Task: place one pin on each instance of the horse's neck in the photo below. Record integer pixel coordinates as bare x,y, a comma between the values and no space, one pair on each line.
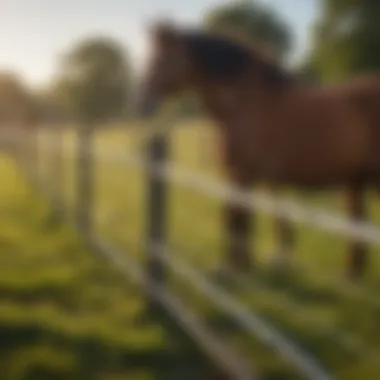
252,101
216,102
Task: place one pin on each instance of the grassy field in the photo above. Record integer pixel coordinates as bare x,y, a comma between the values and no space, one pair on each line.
64,315
335,321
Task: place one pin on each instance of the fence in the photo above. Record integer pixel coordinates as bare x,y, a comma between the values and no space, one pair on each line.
152,278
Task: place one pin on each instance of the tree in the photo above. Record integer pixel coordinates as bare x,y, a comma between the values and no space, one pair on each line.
95,83
17,103
95,80
347,39
253,21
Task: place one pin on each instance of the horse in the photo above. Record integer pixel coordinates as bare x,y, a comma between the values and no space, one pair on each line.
275,129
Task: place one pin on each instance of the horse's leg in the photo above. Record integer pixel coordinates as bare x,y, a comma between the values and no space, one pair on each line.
238,222
358,251
285,242
284,231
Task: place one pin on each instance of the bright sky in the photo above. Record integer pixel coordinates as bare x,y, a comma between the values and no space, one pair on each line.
34,32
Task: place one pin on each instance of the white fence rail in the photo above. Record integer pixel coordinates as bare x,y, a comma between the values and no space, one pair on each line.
253,324
295,212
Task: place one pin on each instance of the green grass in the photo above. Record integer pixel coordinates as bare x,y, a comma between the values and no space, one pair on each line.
66,315
335,321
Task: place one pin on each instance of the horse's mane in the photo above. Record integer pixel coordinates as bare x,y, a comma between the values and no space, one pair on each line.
225,56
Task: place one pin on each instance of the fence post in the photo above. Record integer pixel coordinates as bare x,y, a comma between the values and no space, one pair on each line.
30,148
157,153
24,146
84,177
36,151
57,163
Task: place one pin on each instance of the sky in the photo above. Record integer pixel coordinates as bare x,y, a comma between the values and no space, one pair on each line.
33,33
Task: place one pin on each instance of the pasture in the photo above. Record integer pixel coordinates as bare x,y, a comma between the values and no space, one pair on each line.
334,320
63,313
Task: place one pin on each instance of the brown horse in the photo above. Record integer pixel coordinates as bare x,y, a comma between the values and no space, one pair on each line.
274,128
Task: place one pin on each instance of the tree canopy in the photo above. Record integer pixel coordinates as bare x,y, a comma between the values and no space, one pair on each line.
95,79
346,39
17,103
254,21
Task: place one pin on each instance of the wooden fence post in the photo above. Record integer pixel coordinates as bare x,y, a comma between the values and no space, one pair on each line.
57,163
23,145
84,177
157,152
31,149
36,151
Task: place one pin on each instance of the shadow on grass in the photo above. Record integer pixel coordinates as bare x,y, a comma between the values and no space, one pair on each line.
93,358
194,364
338,331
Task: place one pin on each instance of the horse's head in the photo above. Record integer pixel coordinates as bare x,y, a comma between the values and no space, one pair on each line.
182,58
167,68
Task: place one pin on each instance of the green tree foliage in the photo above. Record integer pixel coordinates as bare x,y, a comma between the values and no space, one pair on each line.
95,80
347,39
255,21
17,103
